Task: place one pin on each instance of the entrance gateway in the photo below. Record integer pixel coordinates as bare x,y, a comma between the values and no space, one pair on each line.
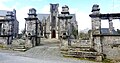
104,39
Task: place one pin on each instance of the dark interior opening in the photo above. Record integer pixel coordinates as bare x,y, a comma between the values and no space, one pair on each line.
53,34
29,34
64,33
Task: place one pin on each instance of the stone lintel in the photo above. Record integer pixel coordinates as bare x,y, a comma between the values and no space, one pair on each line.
65,17
94,15
27,19
95,10
106,16
10,15
64,12
32,14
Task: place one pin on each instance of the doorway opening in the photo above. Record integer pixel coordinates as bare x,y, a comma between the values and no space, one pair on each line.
53,34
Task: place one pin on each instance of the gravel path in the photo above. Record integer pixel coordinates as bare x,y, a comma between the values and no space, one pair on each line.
47,53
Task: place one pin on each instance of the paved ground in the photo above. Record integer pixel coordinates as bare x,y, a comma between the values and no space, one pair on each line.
48,52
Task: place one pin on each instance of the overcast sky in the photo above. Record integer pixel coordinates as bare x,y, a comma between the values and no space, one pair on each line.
82,9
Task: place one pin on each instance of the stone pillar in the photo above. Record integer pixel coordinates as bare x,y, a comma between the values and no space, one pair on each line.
58,29
110,25
97,44
8,27
33,27
96,21
66,24
69,32
96,28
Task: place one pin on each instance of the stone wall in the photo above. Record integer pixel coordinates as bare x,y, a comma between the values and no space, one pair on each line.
111,46
97,44
3,40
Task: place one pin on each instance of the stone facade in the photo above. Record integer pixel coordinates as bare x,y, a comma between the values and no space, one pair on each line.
9,26
104,40
54,20
111,46
50,23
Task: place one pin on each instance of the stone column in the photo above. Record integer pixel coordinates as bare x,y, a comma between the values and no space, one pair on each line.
96,21
98,45
110,25
96,28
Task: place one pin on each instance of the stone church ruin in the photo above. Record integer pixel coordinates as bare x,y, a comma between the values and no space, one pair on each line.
63,27
53,25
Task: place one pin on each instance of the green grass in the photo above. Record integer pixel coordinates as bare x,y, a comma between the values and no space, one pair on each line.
2,46
107,61
89,59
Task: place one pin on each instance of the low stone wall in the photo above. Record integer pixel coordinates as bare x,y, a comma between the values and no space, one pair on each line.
3,40
111,47
85,43
77,43
18,42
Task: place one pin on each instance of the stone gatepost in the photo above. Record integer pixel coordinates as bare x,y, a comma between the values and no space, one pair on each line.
32,27
96,30
65,24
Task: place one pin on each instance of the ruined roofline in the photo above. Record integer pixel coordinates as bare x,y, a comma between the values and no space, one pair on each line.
4,12
41,15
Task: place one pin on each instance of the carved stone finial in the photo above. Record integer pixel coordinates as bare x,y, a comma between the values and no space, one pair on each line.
65,8
32,11
95,8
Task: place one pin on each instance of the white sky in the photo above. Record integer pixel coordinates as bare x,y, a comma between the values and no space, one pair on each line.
82,9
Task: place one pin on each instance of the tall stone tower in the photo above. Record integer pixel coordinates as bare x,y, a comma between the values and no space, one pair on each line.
54,19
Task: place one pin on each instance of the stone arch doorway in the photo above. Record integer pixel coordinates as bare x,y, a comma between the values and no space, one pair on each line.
53,34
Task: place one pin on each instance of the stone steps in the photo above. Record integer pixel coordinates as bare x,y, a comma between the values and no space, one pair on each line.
79,49
19,48
81,52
